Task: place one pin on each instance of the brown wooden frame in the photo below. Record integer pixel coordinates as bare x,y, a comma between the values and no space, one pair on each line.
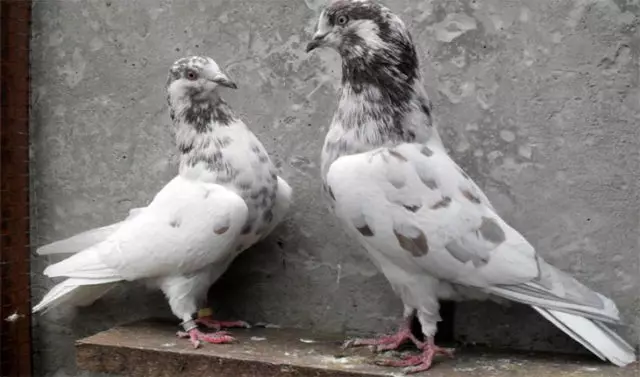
15,318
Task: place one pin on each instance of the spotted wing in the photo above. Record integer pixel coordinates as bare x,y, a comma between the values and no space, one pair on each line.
414,205
415,208
187,226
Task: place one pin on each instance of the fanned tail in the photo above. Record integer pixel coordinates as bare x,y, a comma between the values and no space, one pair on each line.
89,279
79,242
593,335
84,240
575,309
73,292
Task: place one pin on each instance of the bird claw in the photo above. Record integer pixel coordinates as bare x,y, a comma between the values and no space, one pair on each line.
418,363
195,335
383,343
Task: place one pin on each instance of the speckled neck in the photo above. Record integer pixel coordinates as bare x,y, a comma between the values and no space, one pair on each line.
202,130
201,115
366,119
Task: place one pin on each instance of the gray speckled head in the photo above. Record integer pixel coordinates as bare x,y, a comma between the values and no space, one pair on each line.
198,70
192,92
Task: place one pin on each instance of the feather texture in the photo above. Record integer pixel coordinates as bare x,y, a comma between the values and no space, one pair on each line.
226,197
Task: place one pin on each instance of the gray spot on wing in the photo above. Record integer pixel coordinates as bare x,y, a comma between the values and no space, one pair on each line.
412,208
470,196
222,225
396,180
464,255
361,225
175,223
491,231
221,230
425,177
411,203
442,203
429,182
426,151
397,155
412,239
365,231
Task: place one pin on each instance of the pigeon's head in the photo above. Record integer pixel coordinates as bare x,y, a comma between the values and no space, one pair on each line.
360,29
196,78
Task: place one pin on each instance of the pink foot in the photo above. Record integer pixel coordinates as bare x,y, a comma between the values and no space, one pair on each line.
383,343
196,336
419,363
211,323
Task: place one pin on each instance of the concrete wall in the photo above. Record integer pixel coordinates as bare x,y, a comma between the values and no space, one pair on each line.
538,100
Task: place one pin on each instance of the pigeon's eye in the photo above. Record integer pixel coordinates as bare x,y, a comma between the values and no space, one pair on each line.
191,75
342,20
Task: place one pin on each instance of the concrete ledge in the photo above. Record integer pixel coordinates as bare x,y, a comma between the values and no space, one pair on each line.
150,348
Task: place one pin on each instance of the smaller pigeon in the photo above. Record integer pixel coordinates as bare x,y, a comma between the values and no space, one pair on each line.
226,197
425,224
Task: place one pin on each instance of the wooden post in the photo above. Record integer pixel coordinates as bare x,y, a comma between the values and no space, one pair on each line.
15,319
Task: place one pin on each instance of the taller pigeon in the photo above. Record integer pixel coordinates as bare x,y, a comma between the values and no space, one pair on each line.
226,197
425,224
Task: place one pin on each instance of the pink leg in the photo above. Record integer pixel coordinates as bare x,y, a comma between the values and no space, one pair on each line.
196,336
205,318
385,343
422,362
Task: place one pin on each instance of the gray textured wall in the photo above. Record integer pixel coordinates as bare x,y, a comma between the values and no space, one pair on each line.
538,100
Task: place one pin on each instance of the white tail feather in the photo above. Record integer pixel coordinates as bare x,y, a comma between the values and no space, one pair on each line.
84,265
79,242
593,335
86,239
89,279
608,313
74,292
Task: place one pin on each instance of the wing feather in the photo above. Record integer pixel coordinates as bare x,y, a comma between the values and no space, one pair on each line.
188,225
414,206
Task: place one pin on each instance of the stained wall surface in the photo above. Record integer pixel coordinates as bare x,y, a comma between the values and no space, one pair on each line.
538,100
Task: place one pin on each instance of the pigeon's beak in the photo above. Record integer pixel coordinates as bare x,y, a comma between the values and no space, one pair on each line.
317,41
223,80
